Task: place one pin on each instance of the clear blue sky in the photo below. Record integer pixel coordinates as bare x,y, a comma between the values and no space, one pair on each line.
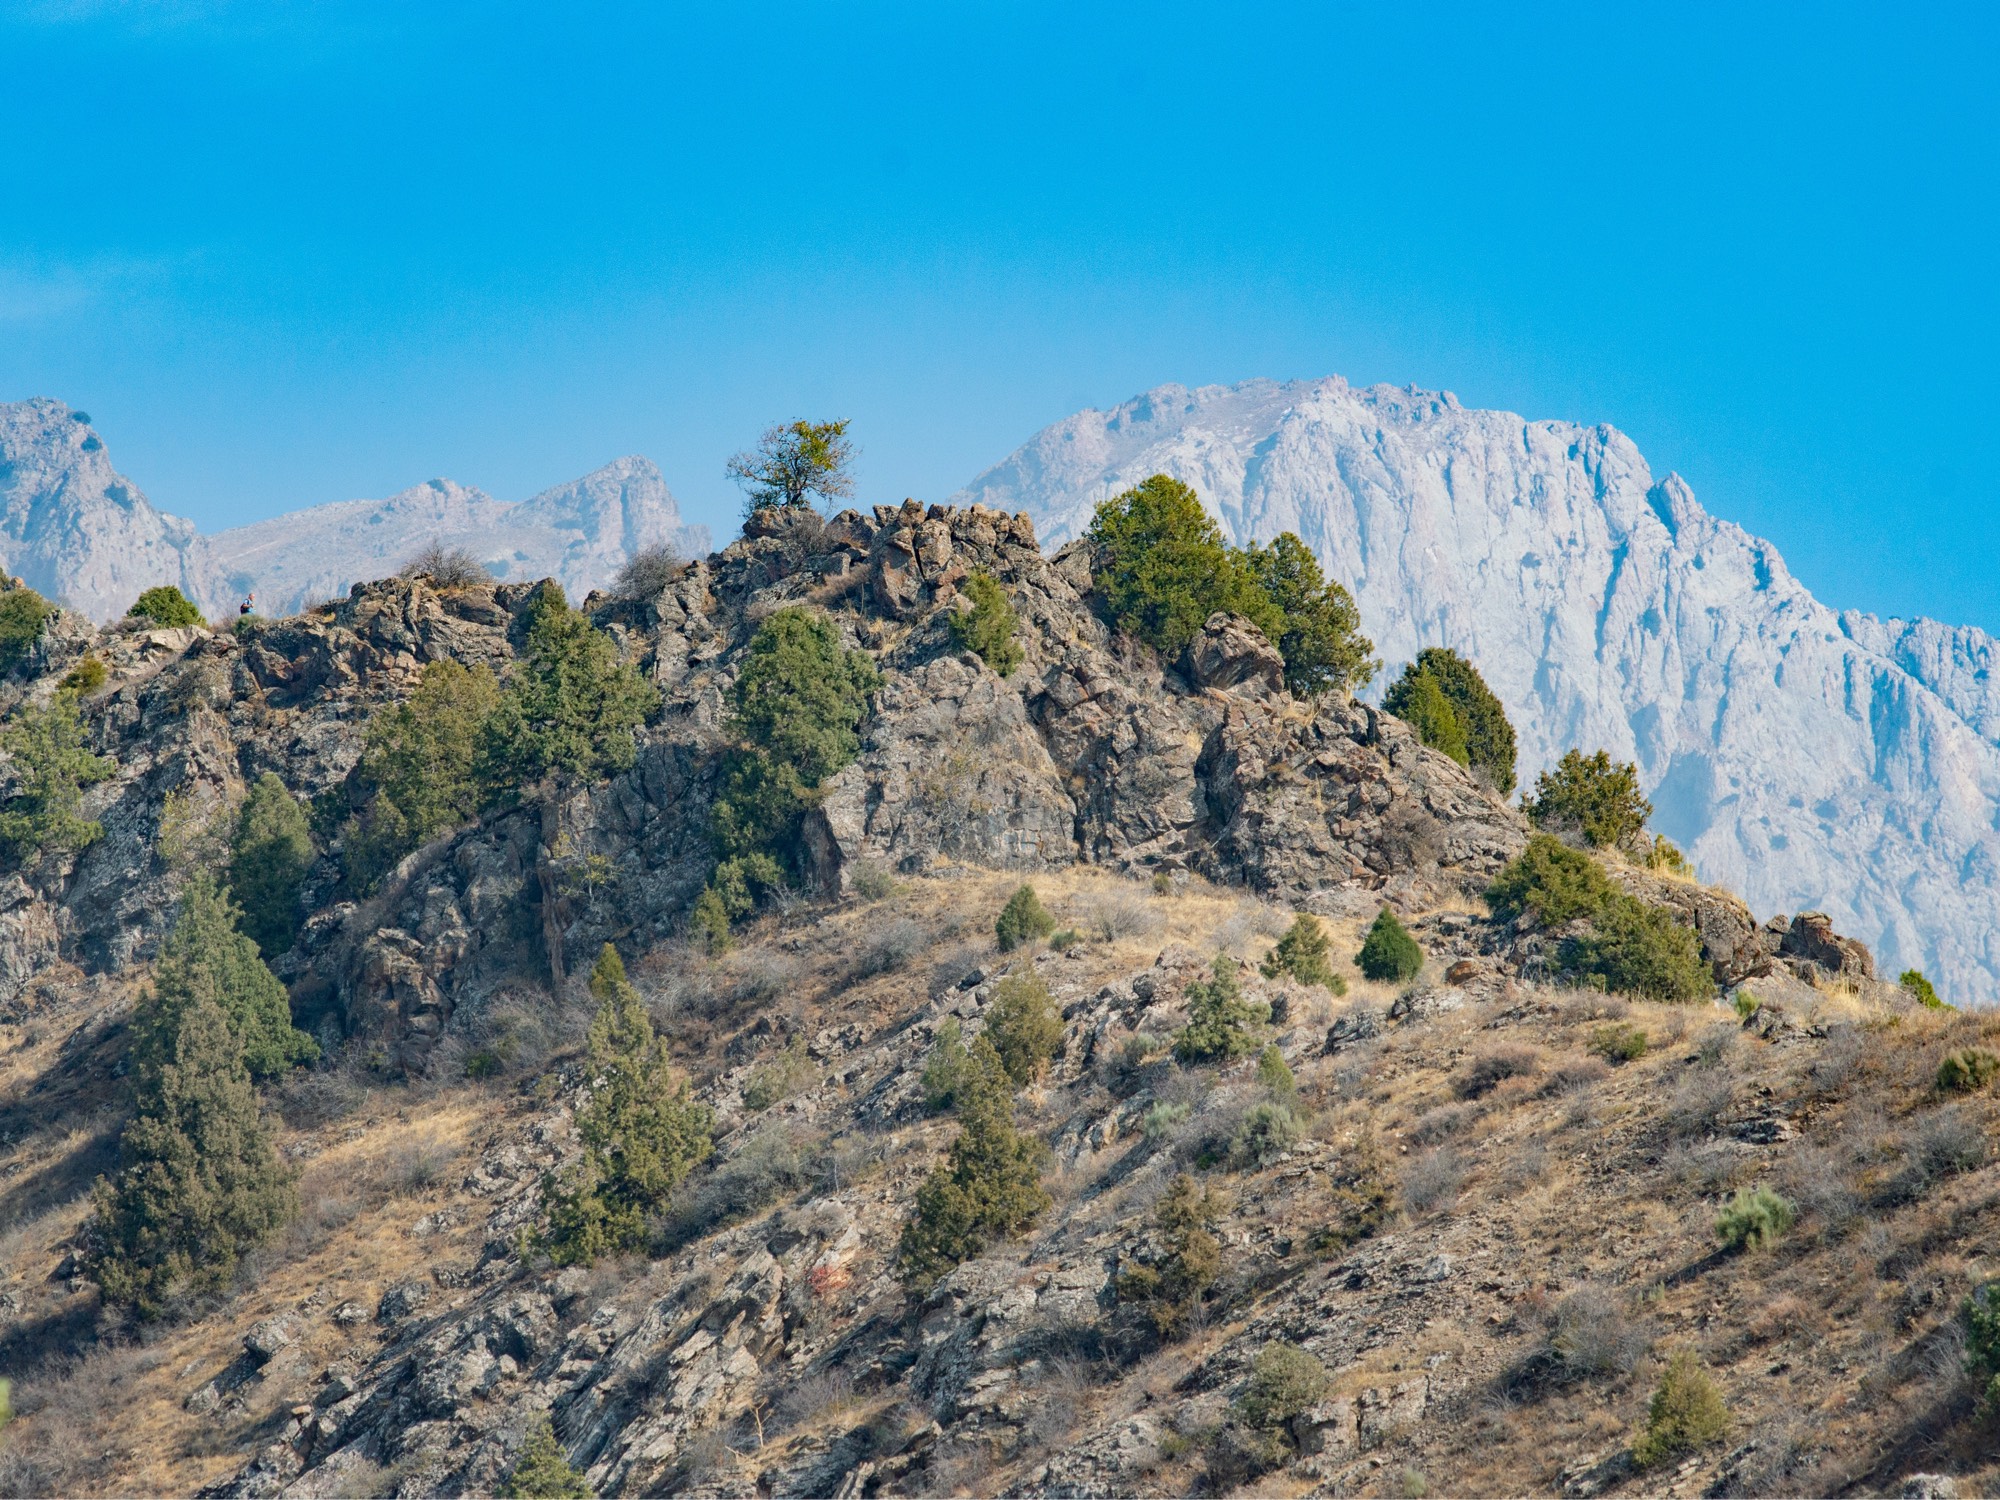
286,253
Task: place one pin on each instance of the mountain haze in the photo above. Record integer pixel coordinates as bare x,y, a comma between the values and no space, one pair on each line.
1807,759
77,530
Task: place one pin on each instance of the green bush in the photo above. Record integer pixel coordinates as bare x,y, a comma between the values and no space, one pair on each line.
52,765
165,606
1480,722
1421,703
1966,1071
1022,920
23,613
1641,950
1221,1024
1024,1026
198,1182
1284,1381
1619,1044
987,629
85,678
1664,857
1686,1413
1389,952
1921,990
542,1471
570,709
417,769
1554,882
796,709
1755,1219
268,862
1171,1288
1305,954
1065,940
1163,568
1591,795
207,959
708,923
989,1185
783,1076
1319,627
947,1070
1745,1005
1275,1077
1979,1316
642,1133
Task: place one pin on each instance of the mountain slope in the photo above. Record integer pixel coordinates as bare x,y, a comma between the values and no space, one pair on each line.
79,531
1804,758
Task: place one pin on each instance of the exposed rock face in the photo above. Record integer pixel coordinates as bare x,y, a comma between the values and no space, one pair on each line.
1803,758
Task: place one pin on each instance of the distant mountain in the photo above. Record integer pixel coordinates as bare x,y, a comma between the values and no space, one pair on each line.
77,530
1805,758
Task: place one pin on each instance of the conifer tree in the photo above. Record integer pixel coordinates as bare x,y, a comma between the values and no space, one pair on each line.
1481,720
543,1471
1022,920
417,762
52,764
268,862
1389,952
1221,1024
198,1182
642,1134
1319,633
1305,954
1421,703
1590,794
989,1185
207,959
23,613
988,627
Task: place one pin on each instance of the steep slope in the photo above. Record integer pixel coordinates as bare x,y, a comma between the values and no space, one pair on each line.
578,533
1803,758
75,528
78,531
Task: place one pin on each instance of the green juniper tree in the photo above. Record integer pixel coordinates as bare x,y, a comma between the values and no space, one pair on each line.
52,763
1221,1024
418,768
1024,1026
988,628
1022,920
1592,795
165,606
1165,567
268,862
1319,631
1477,721
1305,954
642,1133
23,613
1389,952
1420,702
542,1471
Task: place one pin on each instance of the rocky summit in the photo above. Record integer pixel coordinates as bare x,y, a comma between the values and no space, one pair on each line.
1333,1171
1802,757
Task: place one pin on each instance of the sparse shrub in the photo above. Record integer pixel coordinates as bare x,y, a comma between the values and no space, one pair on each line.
165,606
647,572
1664,857
1065,940
1554,882
777,1080
987,629
1432,1181
1172,1287
268,862
1123,916
542,1470
1641,950
445,567
1389,952
1686,1413
1161,1119
1591,795
86,677
1024,1027
1950,1141
1022,920
1163,883
416,1165
1267,1132
23,613
1284,1381
796,710
1921,990
775,1160
51,765
1412,1485
1592,1335
642,1134
889,947
946,1071
570,709
1275,1077
417,769
989,1185
871,882
1966,1071
1488,1070
1221,1024
1745,1005
1619,1043
1755,1219
1697,1102
1305,954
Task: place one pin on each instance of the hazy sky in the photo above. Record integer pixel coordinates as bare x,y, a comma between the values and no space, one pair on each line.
292,253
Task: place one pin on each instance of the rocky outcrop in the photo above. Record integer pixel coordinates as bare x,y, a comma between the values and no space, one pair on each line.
1803,759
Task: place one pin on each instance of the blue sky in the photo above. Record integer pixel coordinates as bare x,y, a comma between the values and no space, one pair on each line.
286,253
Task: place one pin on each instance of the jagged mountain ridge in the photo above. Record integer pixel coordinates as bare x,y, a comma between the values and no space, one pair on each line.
1806,759
77,530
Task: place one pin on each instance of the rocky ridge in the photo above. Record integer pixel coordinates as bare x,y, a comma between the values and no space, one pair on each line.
1802,758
